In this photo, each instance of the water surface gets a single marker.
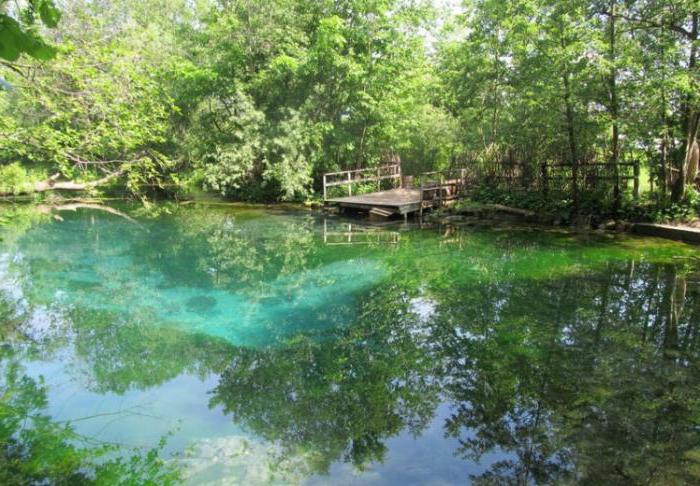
(274, 346)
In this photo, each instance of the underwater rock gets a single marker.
(200, 303)
(243, 460)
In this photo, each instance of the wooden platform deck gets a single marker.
(424, 191)
(399, 201)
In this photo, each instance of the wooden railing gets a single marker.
(361, 176)
(440, 187)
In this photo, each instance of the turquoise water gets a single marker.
(271, 346)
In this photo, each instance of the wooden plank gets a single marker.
(380, 214)
(393, 197)
(444, 189)
(400, 209)
(385, 213)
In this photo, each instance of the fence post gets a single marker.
(324, 188)
(636, 179)
(349, 184)
(545, 180)
(616, 189)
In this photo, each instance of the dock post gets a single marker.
(349, 184)
(420, 209)
(325, 197)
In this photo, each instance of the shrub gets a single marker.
(14, 179)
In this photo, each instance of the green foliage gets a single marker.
(13, 178)
(255, 101)
(600, 208)
(98, 107)
(684, 211)
(653, 208)
(304, 89)
(534, 201)
(575, 81)
(18, 34)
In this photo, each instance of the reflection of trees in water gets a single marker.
(587, 379)
(35, 449)
(228, 249)
(119, 355)
(341, 396)
(578, 377)
(338, 395)
(593, 380)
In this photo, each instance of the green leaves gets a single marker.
(16, 40)
(22, 38)
(573, 80)
(48, 12)
(332, 86)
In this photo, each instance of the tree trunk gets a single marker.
(572, 140)
(665, 175)
(614, 110)
(691, 119)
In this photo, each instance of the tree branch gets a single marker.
(649, 23)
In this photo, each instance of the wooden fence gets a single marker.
(553, 178)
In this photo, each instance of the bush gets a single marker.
(532, 200)
(660, 210)
(648, 208)
(14, 179)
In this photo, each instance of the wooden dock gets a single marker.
(397, 201)
(428, 190)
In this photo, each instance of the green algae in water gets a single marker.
(506, 355)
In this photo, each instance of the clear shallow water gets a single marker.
(267, 352)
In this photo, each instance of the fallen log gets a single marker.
(52, 184)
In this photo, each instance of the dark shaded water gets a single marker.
(272, 351)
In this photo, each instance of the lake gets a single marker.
(278, 346)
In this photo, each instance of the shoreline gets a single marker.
(463, 216)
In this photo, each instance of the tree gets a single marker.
(97, 112)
